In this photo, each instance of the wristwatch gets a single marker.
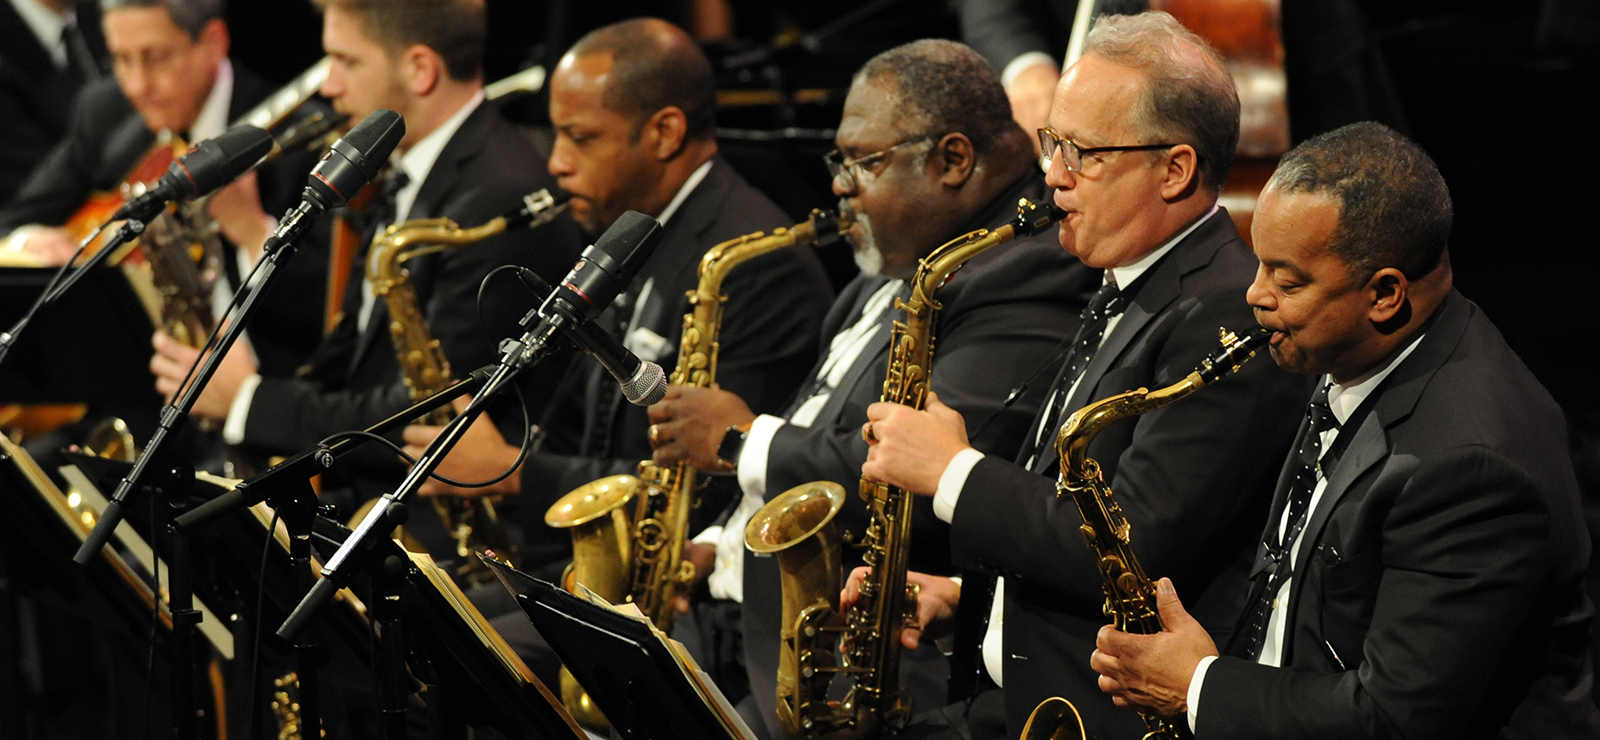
(732, 445)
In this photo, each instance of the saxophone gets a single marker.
(797, 526)
(1130, 594)
(472, 523)
(642, 562)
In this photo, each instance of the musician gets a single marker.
(632, 104)
(50, 54)
(1434, 578)
(458, 160)
(172, 73)
(1140, 138)
(927, 152)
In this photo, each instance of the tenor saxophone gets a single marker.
(642, 562)
(797, 526)
(1130, 594)
(472, 523)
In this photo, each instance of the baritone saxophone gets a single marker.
(640, 559)
(472, 523)
(797, 526)
(1130, 594)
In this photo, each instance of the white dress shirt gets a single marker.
(1343, 400)
(46, 25)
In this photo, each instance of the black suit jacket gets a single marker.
(768, 339)
(35, 96)
(1192, 479)
(1004, 313)
(106, 138)
(354, 379)
(1444, 564)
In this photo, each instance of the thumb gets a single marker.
(1167, 604)
(459, 403)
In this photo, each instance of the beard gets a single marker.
(868, 259)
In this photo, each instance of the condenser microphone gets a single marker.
(643, 382)
(348, 166)
(209, 165)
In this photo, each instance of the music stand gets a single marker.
(107, 356)
(646, 683)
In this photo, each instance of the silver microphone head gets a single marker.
(647, 386)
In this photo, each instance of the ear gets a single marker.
(421, 68)
(1389, 292)
(214, 34)
(956, 158)
(1181, 172)
(665, 132)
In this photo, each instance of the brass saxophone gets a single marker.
(472, 523)
(797, 526)
(642, 562)
(1130, 594)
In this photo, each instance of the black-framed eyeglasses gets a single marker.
(1051, 142)
(848, 172)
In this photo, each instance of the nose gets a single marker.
(838, 184)
(332, 85)
(1260, 295)
(1058, 176)
(561, 163)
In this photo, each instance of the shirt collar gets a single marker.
(46, 25)
(420, 158)
(213, 118)
(1127, 274)
(683, 193)
(1345, 399)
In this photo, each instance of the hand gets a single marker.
(1153, 671)
(481, 453)
(50, 246)
(689, 423)
(237, 209)
(704, 558)
(1031, 92)
(172, 360)
(937, 598)
(910, 449)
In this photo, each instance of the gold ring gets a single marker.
(866, 433)
(655, 432)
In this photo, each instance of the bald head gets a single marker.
(654, 65)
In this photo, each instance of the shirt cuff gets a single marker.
(752, 464)
(11, 251)
(708, 536)
(1198, 678)
(1022, 62)
(239, 411)
(951, 481)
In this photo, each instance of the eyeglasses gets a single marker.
(1072, 155)
(849, 172)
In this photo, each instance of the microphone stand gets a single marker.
(64, 280)
(173, 481)
(389, 510)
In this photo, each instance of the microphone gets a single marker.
(209, 165)
(643, 383)
(348, 166)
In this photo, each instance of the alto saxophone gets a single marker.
(797, 526)
(642, 562)
(1130, 594)
(472, 523)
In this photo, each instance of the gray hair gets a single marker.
(1188, 96)
(189, 15)
(946, 87)
(1394, 207)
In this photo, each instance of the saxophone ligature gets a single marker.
(472, 523)
(640, 559)
(1130, 594)
(797, 527)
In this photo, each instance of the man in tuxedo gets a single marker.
(172, 75)
(457, 160)
(1139, 141)
(50, 53)
(1422, 568)
(632, 105)
(927, 152)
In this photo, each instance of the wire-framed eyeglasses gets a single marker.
(1051, 142)
(848, 172)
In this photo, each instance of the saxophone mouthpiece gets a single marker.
(538, 208)
(1033, 218)
(1234, 353)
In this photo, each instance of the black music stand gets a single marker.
(94, 347)
(647, 685)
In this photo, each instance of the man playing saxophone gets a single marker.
(1421, 573)
(927, 152)
(459, 160)
(1140, 139)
